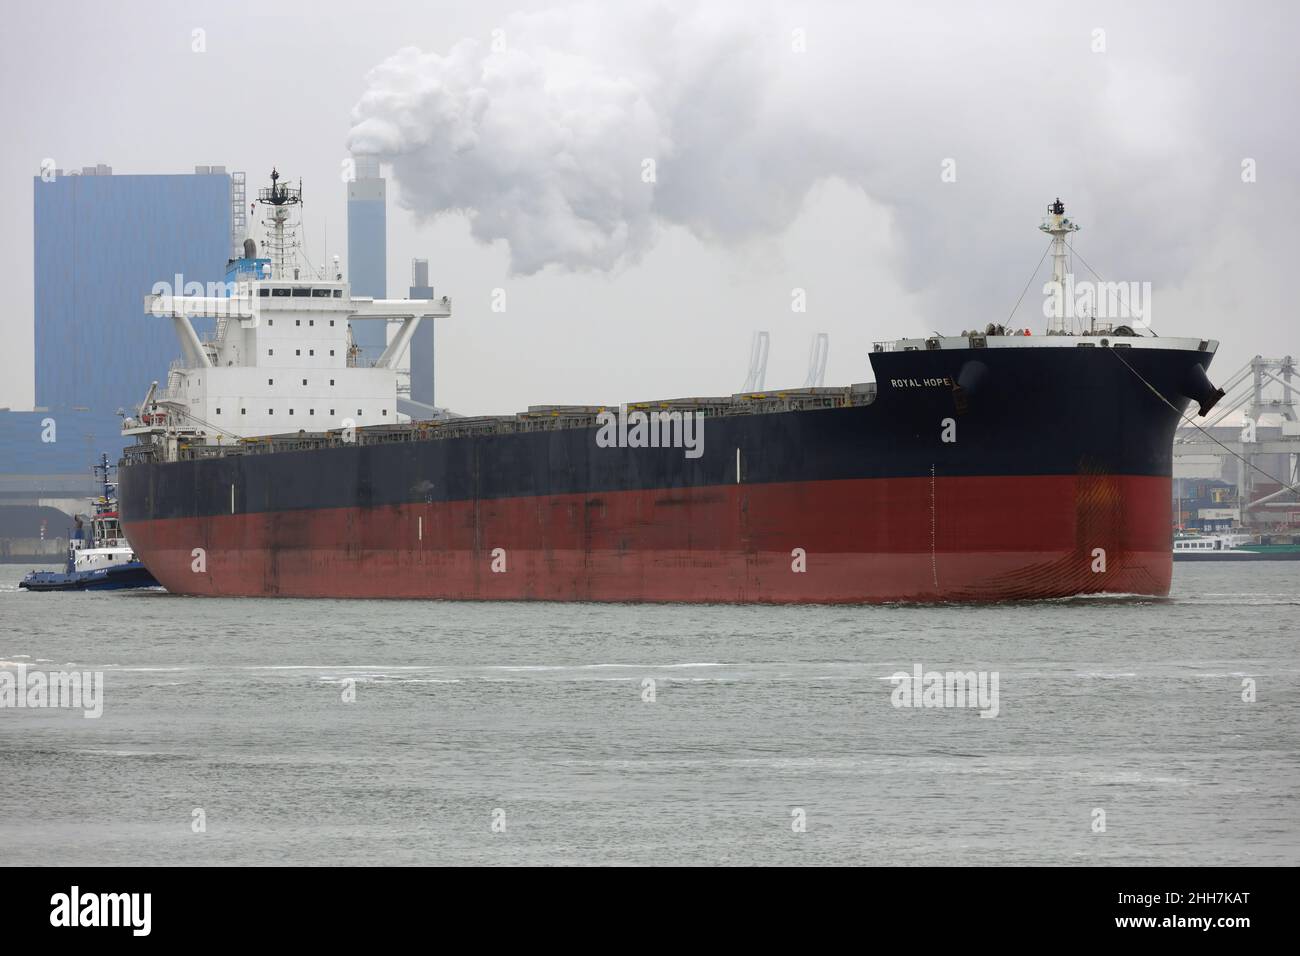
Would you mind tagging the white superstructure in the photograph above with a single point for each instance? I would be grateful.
(282, 358)
(106, 547)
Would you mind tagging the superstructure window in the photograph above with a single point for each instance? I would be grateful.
(331, 323)
(311, 351)
(270, 351)
(311, 322)
(331, 413)
(301, 293)
(270, 381)
(270, 322)
(320, 293)
(291, 411)
(304, 381)
(385, 413)
(297, 321)
(331, 352)
(243, 411)
(338, 294)
(263, 292)
(297, 351)
(331, 381)
(218, 411)
(280, 293)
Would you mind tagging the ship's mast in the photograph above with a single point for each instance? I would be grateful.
(282, 223)
(102, 470)
(1058, 227)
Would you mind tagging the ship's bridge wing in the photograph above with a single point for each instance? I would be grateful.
(409, 311)
(180, 309)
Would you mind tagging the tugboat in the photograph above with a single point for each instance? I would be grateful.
(100, 561)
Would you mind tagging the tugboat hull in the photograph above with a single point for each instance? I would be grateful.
(131, 575)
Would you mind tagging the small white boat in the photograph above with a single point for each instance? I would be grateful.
(1232, 547)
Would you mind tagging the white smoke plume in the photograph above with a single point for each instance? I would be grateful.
(539, 134)
(572, 134)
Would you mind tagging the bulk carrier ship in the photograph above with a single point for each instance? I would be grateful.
(980, 467)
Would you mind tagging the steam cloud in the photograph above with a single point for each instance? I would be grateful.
(539, 132)
(543, 134)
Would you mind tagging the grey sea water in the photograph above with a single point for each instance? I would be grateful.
(534, 717)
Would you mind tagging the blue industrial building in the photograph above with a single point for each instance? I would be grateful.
(45, 459)
(101, 243)
(56, 442)
(368, 250)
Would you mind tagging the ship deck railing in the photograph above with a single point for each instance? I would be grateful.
(537, 418)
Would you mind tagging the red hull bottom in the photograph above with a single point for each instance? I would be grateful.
(858, 541)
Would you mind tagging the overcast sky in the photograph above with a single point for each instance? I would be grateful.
(795, 146)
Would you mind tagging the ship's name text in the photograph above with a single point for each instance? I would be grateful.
(920, 382)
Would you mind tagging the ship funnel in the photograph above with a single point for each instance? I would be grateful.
(1197, 386)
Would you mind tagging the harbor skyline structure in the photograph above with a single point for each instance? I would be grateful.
(101, 241)
(368, 247)
(422, 355)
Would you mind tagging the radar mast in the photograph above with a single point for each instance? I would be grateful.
(1056, 225)
(283, 203)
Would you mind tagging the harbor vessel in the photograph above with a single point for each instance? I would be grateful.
(990, 465)
(99, 557)
(1236, 547)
